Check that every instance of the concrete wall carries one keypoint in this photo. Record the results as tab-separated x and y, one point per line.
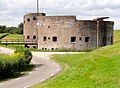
61	27
105	33
86	29
66	32
30	27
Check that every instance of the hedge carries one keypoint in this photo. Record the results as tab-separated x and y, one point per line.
11	65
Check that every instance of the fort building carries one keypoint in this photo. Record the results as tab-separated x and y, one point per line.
66	32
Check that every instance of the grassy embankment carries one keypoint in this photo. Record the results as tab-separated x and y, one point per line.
96	69
12	36
3	35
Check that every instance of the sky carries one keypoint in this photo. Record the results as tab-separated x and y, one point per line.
12	11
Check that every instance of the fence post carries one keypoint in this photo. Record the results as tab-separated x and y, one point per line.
12	41
6	42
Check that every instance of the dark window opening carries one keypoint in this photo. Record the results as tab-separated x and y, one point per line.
43	14
104	41
42	48
45	48
111	40
28	37
54	39
28	19
34	47
73	39
80	38
48	26
34	18
48	38
34	37
24	22
87	39
28	46
44	38
52	49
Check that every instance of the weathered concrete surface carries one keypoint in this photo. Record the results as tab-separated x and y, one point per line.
56	32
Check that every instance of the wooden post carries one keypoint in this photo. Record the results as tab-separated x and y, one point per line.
6	42
12	41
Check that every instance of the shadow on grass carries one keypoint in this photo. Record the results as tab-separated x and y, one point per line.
27	69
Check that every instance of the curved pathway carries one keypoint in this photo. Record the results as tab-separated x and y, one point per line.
44	69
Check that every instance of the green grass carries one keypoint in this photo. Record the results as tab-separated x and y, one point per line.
14	36
96	69
2	34
117	37
13	46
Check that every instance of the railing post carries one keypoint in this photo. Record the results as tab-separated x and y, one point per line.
12	41
6	42
18	41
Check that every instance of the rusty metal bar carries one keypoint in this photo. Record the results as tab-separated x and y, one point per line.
100	18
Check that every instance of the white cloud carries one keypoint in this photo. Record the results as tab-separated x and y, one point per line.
12	11
2	6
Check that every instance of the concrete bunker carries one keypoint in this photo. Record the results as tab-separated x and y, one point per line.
67	32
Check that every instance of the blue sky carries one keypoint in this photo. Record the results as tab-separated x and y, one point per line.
12	11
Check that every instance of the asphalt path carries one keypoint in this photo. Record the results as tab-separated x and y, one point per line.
44	69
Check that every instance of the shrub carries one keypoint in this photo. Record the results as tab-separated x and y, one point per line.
10	65
26	52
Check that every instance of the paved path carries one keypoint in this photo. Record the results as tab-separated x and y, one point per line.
44	69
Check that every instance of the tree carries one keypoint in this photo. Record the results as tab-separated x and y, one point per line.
11	30
20	28
2	28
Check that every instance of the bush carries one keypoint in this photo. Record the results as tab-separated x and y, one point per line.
14	63
26	52
10	66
